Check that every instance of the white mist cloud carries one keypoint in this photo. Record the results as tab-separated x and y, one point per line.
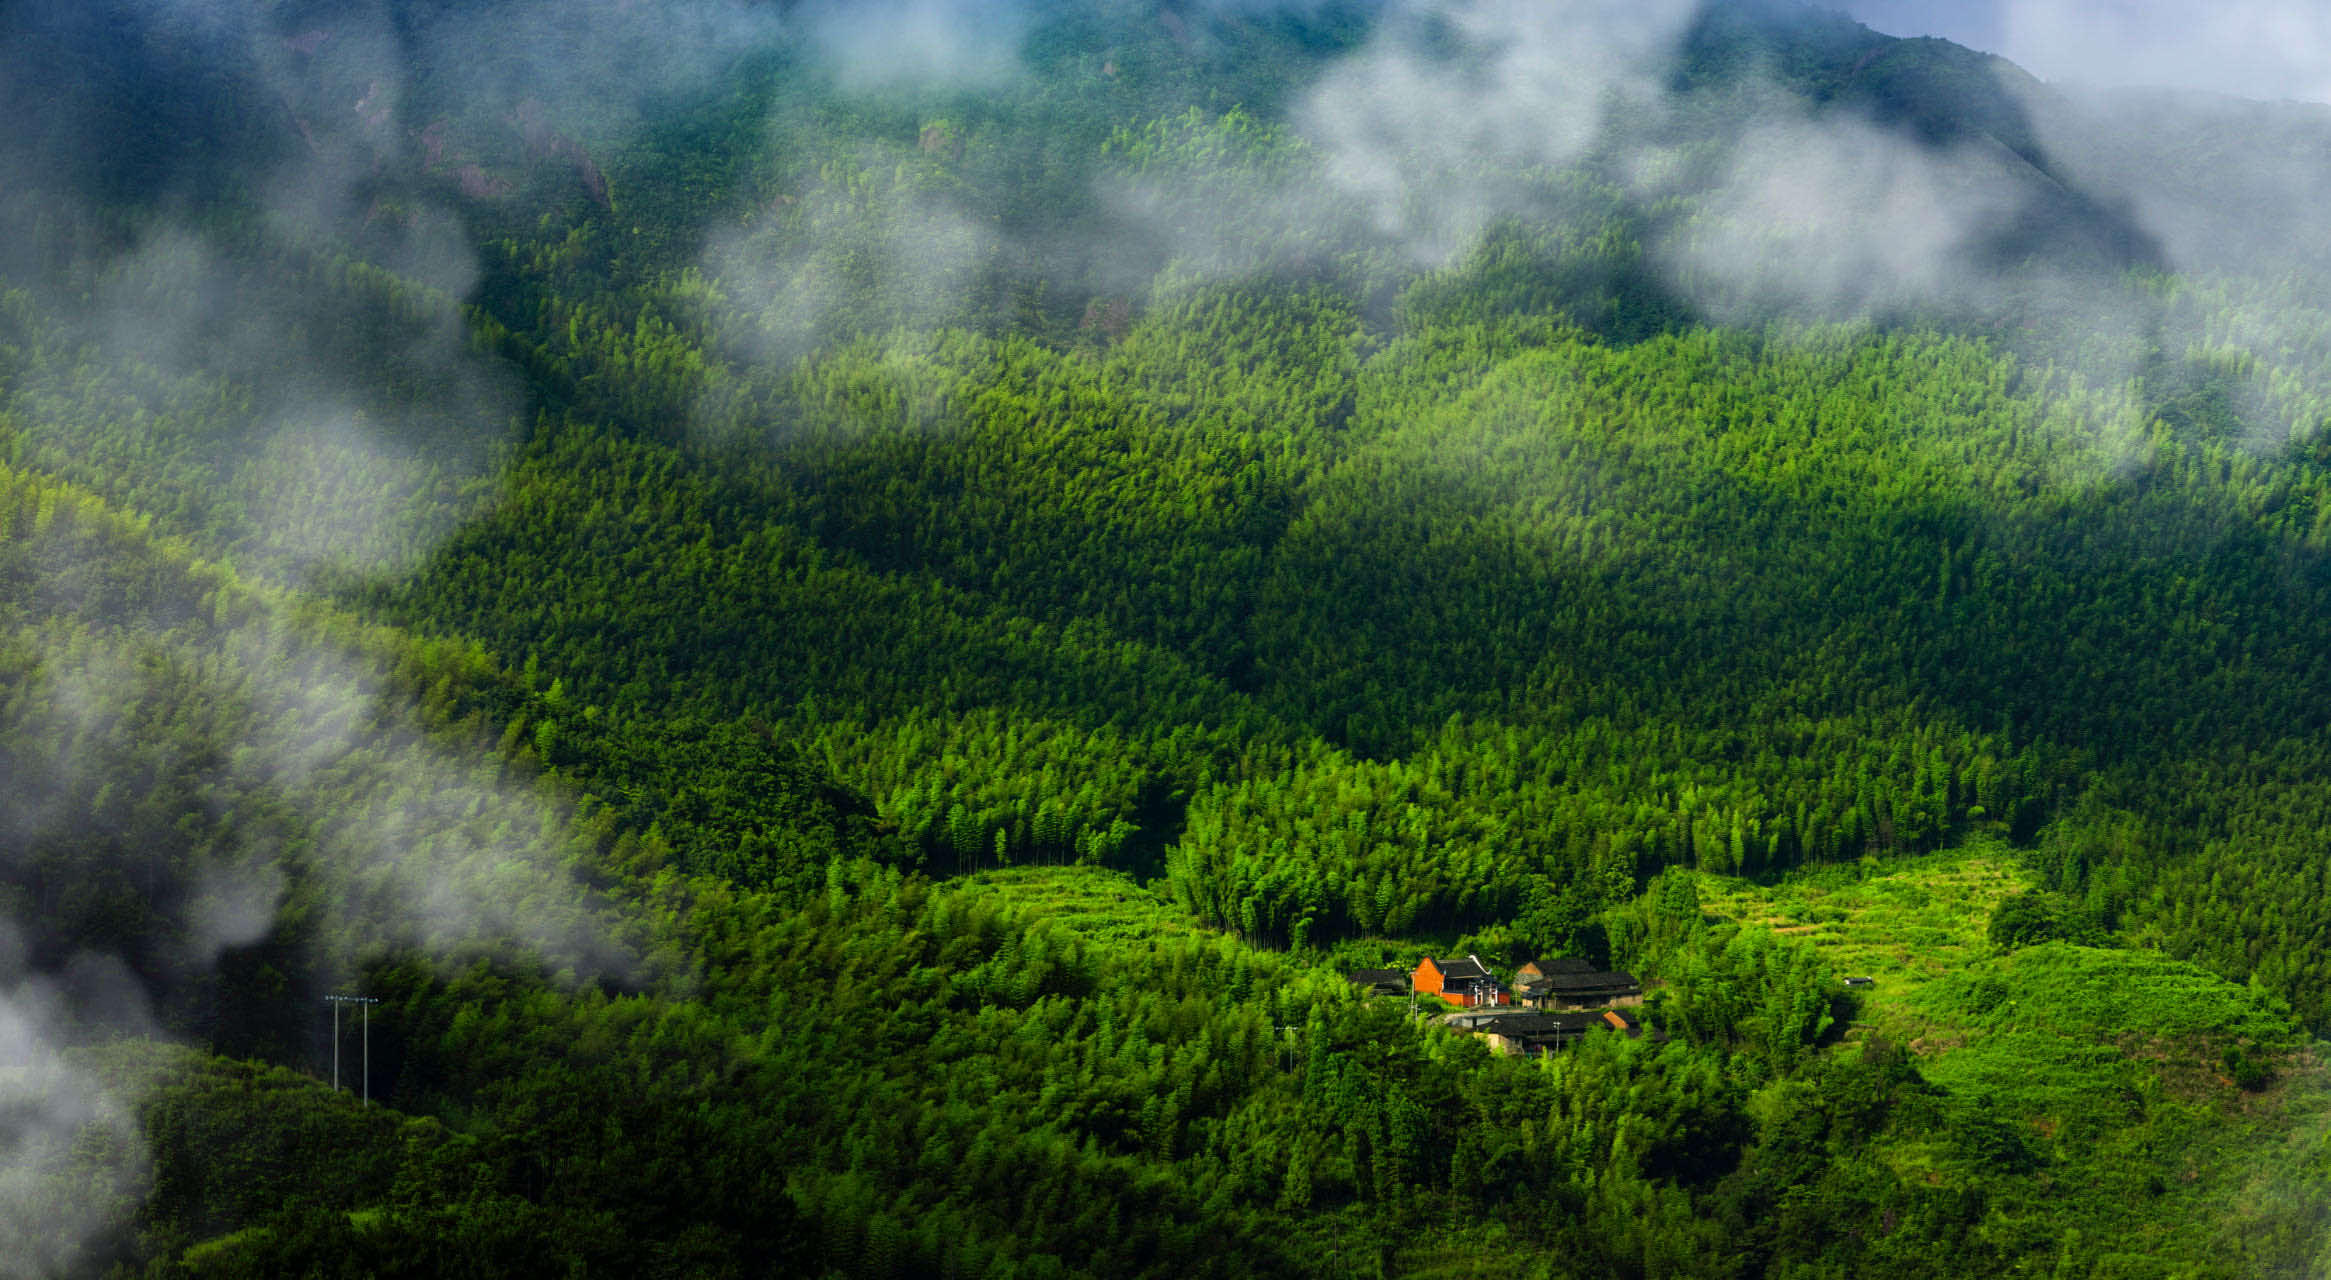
874	45
233	906
285	764
1430	123
2219	183
349	388
882	245
198	775
329	494
590	63
358	386
359	404
364	391
1837	217
2247	48
429	848
2263	49
71	1155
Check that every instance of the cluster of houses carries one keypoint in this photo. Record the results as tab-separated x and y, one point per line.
1550	1005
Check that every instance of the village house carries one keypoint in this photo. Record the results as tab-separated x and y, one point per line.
1545	965
1529	1035
1519	1032
1465	983
1479	1020
1568	984
1379	982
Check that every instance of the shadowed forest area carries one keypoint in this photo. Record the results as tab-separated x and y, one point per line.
852	616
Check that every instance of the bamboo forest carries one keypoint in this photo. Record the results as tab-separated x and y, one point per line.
1171	638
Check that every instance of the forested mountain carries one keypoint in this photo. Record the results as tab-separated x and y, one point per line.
850	615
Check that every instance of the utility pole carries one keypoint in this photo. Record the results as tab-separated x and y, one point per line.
364	1003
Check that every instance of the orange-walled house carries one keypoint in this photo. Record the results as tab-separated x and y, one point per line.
1466	983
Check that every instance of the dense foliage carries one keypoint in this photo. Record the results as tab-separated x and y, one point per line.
849	665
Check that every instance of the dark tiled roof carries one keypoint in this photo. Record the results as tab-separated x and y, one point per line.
1468	969
1486	1017
1563	964
1536	1025
1585	981
1371	977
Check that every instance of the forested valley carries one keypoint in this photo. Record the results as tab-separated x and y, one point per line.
849	618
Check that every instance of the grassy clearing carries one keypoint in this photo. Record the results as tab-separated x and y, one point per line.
2165	1101
1100	905
1905	923
2110	1095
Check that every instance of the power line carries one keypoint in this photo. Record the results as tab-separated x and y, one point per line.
365	1003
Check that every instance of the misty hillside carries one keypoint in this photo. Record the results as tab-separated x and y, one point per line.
850	617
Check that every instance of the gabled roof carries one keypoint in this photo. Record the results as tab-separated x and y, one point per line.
1538	1025
1469	968
1589	981
1373	977
1562	964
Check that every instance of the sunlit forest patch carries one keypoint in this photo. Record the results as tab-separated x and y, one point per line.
1905	922
714	638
